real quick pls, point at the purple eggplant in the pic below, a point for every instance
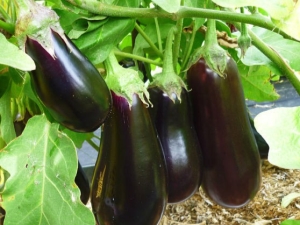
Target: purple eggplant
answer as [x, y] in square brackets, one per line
[69, 85]
[83, 184]
[175, 128]
[129, 184]
[262, 145]
[232, 167]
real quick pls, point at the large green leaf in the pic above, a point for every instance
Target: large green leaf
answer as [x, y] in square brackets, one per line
[170, 6]
[288, 49]
[278, 9]
[290, 25]
[280, 127]
[97, 44]
[7, 131]
[256, 83]
[40, 189]
[290, 222]
[76, 24]
[12, 56]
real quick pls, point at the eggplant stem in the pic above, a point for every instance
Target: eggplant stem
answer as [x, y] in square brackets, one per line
[136, 57]
[148, 40]
[158, 35]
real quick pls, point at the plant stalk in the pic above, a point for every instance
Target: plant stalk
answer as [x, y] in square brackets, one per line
[136, 57]
[10, 28]
[104, 9]
[145, 36]
[177, 39]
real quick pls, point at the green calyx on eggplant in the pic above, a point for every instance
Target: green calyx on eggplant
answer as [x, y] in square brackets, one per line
[129, 184]
[174, 124]
[68, 84]
[232, 168]
[83, 184]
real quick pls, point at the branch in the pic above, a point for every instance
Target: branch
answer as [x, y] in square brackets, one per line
[104, 9]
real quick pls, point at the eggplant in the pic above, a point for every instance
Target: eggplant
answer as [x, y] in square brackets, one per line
[262, 145]
[129, 184]
[181, 148]
[232, 167]
[69, 85]
[83, 184]
[2, 216]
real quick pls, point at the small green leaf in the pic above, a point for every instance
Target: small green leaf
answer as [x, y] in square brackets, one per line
[256, 83]
[170, 6]
[42, 165]
[280, 127]
[288, 199]
[9, 54]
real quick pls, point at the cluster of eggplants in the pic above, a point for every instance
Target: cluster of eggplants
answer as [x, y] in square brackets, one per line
[129, 184]
[232, 167]
[174, 124]
[69, 85]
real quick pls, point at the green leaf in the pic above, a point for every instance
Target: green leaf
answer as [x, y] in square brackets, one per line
[97, 44]
[82, 26]
[75, 24]
[280, 127]
[290, 222]
[7, 130]
[277, 9]
[170, 6]
[288, 49]
[42, 164]
[12, 56]
[4, 84]
[288, 199]
[77, 138]
[290, 25]
[256, 83]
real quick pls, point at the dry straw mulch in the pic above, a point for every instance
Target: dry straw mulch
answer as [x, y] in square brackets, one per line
[265, 208]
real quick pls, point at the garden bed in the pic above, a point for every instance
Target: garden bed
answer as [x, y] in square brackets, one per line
[264, 209]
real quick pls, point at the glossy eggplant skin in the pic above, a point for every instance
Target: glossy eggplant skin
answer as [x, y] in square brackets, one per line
[69, 85]
[232, 167]
[175, 128]
[129, 184]
[83, 184]
[262, 145]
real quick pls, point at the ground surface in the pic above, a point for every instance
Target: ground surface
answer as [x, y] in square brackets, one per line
[264, 209]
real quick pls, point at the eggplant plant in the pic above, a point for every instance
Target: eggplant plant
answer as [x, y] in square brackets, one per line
[61, 85]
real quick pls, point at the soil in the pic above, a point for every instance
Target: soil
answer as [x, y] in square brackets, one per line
[264, 209]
